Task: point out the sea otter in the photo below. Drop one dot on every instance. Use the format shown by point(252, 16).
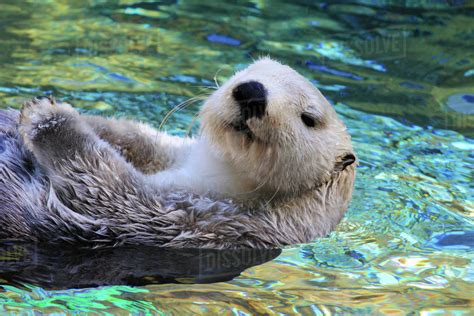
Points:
point(273, 165)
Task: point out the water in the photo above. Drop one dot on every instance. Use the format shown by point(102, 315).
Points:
point(402, 78)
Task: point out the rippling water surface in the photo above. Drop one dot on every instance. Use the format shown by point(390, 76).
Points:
point(402, 78)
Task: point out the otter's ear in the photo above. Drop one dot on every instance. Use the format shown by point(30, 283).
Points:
point(344, 161)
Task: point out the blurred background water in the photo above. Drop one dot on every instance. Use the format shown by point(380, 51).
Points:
point(399, 73)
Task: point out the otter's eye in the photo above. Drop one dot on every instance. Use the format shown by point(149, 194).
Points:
point(308, 119)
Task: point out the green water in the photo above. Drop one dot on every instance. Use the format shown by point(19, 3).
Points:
point(401, 77)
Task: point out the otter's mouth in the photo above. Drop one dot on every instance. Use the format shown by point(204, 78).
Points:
point(241, 126)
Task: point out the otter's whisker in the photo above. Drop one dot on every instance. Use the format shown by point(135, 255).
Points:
point(207, 88)
point(190, 126)
point(180, 106)
point(273, 196)
point(215, 77)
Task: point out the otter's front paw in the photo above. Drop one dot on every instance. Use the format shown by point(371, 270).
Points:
point(43, 115)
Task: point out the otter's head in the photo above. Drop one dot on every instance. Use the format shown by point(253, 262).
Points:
point(276, 130)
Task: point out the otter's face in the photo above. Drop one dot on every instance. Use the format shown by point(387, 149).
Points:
point(276, 129)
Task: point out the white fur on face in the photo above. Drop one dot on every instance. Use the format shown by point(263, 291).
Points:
point(283, 154)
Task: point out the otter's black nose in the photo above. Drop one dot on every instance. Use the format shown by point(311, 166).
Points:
point(252, 99)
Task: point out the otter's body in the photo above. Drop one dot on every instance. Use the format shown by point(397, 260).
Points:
point(273, 166)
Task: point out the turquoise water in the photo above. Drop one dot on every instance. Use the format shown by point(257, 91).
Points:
point(402, 79)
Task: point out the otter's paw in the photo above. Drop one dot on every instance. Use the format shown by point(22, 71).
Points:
point(44, 115)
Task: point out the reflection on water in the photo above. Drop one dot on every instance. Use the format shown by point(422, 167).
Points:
point(55, 267)
point(406, 244)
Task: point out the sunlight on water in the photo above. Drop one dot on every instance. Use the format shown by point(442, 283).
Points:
point(407, 242)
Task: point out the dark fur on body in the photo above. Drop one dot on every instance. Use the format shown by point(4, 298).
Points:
point(68, 185)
